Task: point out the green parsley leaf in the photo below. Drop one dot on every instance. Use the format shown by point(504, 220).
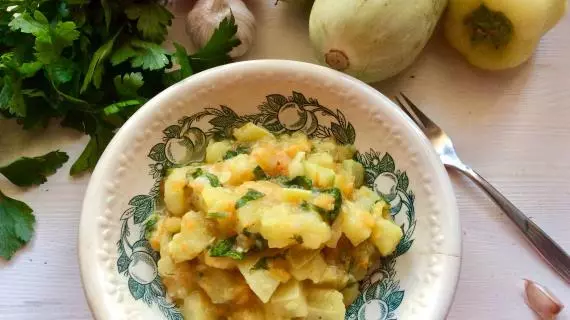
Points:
point(152, 19)
point(214, 182)
point(143, 54)
point(49, 50)
point(150, 224)
point(107, 13)
point(298, 239)
point(249, 196)
point(216, 215)
point(26, 171)
point(66, 33)
point(236, 255)
point(337, 194)
point(150, 56)
point(260, 243)
point(29, 69)
point(328, 216)
point(96, 66)
point(306, 206)
point(128, 85)
point(50, 39)
point(93, 151)
point(311, 207)
point(217, 49)
point(34, 93)
point(181, 57)
point(232, 153)
point(225, 248)
point(11, 98)
point(37, 25)
point(123, 53)
point(118, 106)
point(259, 174)
point(17, 225)
point(61, 71)
point(300, 182)
point(261, 264)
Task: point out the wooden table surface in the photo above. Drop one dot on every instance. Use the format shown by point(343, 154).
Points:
point(512, 126)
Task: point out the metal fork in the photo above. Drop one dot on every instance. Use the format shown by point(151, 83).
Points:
point(552, 253)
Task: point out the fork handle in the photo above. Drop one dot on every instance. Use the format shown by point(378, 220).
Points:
point(546, 247)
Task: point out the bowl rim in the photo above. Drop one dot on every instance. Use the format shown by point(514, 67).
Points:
point(92, 289)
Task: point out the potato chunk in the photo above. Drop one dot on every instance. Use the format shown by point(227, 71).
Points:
point(334, 277)
point(241, 168)
point(336, 232)
point(193, 238)
point(198, 307)
point(313, 269)
point(218, 262)
point(216, 150)
point(386, 235)
point(218, 199)
point(281, 228)
point(295, 195)
point(345, 183)
point(364, 255)
point(323, 159)
point(354, 169)
point(381, 210)
point(350, 294)
point(296, 167)
point(298, 256)
point(288, 301)
point(365, 198)
point(176, 193)
point(177, 278)
point(250, 133)
point(325, 304)
point(254, 312)
point(321, 176)
point(356, 223)
point(260, 281)
point(297, 143)
point(222, 286)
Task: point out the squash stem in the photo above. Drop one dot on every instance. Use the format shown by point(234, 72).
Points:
point(337, 59)
point(488, 26)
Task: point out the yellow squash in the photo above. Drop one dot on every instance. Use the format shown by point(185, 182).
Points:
point(500, 34)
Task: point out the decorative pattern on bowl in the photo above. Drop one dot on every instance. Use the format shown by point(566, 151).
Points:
point(118, 266)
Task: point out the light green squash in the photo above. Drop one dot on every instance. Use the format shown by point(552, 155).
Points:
point(372, 39)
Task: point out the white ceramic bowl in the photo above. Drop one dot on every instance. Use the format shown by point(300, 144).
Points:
point(119, 269)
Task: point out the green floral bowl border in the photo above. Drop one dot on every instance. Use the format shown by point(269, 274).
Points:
point(390, 291)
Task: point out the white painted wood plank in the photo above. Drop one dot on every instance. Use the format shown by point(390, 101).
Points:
point(512, 126)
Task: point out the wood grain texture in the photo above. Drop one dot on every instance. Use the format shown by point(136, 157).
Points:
point(513, 127)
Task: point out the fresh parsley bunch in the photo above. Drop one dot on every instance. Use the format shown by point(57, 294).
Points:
point(89, 65)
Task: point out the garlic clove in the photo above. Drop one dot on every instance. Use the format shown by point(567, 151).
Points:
point(206, 16)
point(542, 301)
point(246, 27)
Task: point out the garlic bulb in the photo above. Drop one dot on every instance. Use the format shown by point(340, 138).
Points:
point(541, 301)
point(180, 6)
point(206, 16)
